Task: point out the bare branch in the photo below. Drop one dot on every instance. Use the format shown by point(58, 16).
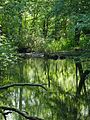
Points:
point(20, 113)
point(4, 114)
point(21, 84)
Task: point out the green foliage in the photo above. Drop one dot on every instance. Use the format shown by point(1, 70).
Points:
point(85, 42)
point(36, 24)
point(44, 26)
point(7, 53)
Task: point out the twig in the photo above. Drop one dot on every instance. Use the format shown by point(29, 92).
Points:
point(20, 113)
point(22, 84)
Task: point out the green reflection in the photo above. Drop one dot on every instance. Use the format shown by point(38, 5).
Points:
point(59, 101)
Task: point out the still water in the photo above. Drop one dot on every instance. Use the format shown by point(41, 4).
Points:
point(57, 99)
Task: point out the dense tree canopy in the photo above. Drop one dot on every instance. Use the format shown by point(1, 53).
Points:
point(38, 24)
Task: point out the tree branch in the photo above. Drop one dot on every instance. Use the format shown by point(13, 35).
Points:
point(22, 84)
point(20, 113)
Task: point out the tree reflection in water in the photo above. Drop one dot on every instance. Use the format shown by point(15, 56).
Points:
point(67, 91)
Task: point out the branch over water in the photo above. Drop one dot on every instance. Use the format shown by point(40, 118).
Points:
point(22, 84)
point(20, 113)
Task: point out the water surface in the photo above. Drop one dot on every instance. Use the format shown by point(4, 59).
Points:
point(61, 80)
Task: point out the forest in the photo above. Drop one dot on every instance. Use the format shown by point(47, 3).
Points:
point(44, 57)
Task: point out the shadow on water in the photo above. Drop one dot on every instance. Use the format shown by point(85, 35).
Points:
point(67, 83)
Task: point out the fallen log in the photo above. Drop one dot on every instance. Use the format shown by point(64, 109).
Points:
point(56, 55)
